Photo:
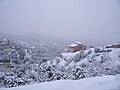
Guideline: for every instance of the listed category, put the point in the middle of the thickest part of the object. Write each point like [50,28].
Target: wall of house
[76,48]
[5,46]
[5,65]
[82,47]
[71,49]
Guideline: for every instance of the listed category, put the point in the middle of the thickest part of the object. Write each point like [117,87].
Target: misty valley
[59,44]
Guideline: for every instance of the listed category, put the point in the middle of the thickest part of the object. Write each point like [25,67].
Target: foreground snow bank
[97,83]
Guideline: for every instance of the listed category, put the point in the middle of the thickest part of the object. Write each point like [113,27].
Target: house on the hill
[5,64]
[5,44]
[113,46]
[77,46]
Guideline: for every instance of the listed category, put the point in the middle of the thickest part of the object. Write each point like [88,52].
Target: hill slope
[96,83]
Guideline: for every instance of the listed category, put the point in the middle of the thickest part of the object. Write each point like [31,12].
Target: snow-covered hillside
[104,56]
[89,55]
[88,63]
[97,83]
[35,64]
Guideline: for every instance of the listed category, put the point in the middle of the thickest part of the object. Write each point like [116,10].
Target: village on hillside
[5,45]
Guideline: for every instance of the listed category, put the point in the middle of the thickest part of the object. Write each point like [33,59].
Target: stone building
[77,46]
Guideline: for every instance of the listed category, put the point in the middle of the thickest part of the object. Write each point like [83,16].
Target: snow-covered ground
[96,83]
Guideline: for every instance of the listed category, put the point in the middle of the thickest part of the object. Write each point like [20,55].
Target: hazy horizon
[92,21]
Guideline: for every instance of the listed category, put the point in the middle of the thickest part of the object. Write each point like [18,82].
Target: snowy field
[97,83]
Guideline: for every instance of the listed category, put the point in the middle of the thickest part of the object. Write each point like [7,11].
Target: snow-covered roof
[109,45]
[4,41]
[114,44]
[78,43]
[73,45]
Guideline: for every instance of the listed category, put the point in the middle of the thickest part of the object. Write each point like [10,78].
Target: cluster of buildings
[4,63]
[74,47]
[77,46]
[113,46]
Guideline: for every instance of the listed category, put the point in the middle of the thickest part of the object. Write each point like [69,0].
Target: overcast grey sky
[82,20]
